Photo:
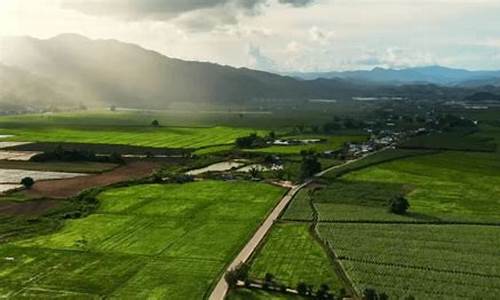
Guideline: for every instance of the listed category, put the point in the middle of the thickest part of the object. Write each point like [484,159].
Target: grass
[426,261]
[145,241]
[452,186]
[164,137]
[332,143]
[300,207]
[292,255]
[346,200]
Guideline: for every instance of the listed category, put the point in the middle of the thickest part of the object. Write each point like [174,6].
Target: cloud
[395,57]
[296,3]
[139,9]
[321,36]
[167,9]
[260,61]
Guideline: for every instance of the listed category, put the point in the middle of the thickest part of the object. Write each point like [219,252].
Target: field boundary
[404,266]
[444,223]
[330,253]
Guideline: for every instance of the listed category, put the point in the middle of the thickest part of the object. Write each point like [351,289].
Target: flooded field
[260,168]
[217,167]
[17,155]
[14,155]
[9,176]
[9,187]
[4,145]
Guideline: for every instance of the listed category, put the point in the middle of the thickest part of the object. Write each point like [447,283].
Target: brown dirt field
[30,208]
[65,188]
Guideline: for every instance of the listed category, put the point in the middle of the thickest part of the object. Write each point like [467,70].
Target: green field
[425,261]
[292,255]
[164,137]
[349,200]
[452,141]
[145,241]
[300,207]
[380,157]
[332,143]
[452,186]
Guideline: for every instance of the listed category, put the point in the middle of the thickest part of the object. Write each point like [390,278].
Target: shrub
[251,141]
[399,205]
[28,182]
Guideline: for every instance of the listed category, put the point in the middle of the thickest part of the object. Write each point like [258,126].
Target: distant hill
[71,70]
[112,72]
[21,91]
[483,96]
[432,74]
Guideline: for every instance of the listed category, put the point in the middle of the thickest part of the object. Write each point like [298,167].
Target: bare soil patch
[65,188]
[31,208]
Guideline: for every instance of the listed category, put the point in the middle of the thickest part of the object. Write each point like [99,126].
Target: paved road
[222,287]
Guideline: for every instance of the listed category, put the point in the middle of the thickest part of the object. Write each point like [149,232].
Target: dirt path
[65,188]
[221,288]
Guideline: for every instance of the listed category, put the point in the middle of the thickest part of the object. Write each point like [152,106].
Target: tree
[398,205]
[272,135]
[112,108]
[268,281]
[238,273]
[324,292]
[116,158]
[251,141]
[383,296]
[280,173]
[28,182]
[155,123]
[370,294]
[302,288]
[310,166]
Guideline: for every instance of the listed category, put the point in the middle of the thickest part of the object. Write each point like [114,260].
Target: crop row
[451,260]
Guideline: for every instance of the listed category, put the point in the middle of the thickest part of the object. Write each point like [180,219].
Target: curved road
[220,290]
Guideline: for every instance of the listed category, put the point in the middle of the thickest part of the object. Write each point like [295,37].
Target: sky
[279,35]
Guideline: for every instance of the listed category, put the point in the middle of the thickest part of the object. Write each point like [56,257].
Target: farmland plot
[331,143]
[146,241]
[14,176]
[292,255]
[163,137]
[426,261]
[452,186]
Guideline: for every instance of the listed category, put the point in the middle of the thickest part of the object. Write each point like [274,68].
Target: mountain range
[420,75]
[71,70]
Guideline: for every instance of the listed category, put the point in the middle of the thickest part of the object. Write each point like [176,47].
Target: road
[220,290]
[222,287]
